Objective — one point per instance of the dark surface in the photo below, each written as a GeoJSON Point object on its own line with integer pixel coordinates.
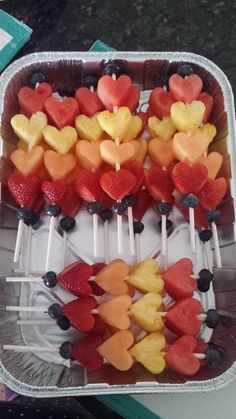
{"type": "Point", "coordinates": [206, 27]}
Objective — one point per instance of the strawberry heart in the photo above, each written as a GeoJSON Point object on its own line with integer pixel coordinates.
{"type": "Point", "coordinates": [142, 205]}
{"type": "Point", "coordinates": [99, 328]}
{"type": "Point", "coordinates": [96, 290]}
{"type": "Point", "coordinates": [189, 178]}
{"type": "Point", "coordinates": [178, 281]}
{"type": "Point", "coordinates": [85, 352]}
{"type": "Point", "coordinates": [114, 312]}
{"type": "Point", "coordinates": [118, 184]}
{"type": "Point", "coordinates": [160, 102]}
{"type": "Point", "coordinates": [62, 112]}
{"type": "Point", "coordinates": [199, 216]}
{"type": "Point", "coordinates": [71, 203]}
{"type": "Point", "coordinates": [132, 99]}
{"type": "Point", "coordinates": [137, 169]}
{"type": "Point", "coordinates": [185, 90]}
{"type": "Point", "coordinates": [54, 191]}
{"type": "Point", "coordinates": [31, 100]}
{"type": "Point", "coordinates": [113, 92]}
{"type": "Point", "coordinates": [89, 102]}
{"type": "Point", "coordinates": [112, 278]}
{"type": "Point", "coordinates": [208, 102]}
{"type": "Point", "coordinates": [115, 350]}
{"type": "Point", "coordinates": [212, 193]}
{"type": "Point", "coordinates": [79, 313]}
{"type": "Point", "coordinates": [182, 319]}
{"type": "Point", "coordinates": [24, 189]}
{"type": "Point", "coordinates": [180, 356]}
{"type": "Point", "coordinates": [159, 184]}
{"type": "Point", "coordinates": [75, 279]}
{"type": "Point", "coordinates": [88, 185]}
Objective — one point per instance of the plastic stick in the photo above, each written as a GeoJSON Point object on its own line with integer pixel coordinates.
{"type": "Point", "coordinates": [106, 241]}
{"type": "Point", "coordinates": [216, 245]}
{"type": "Point", "coordinates": [137, 245]}
{"type": "Point", "coordinates": [28, 250]}
{"type": "Point", "coordinates": [18, 240]}
{"type": "Point", "coordinates": [192, 230]}
{"type": "Point", "coordinates": [131, 231]}
{"type": "Point", "coordinates": [95, 235]}
{"type": "Point", "coordinates": [22, 348]}
{"type": "Point", "coordinates": [50, 242]}
{"type": "Point", "coordinates": [64, 245]}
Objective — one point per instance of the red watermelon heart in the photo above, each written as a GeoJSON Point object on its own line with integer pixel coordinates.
{"type": "Point", "coordinates": [137, 169]}
{"type": "Point", "coordinates": [54, 191]}
{"type": "Point", "coordinates": [182, 319]}
{"type": "Point", "coordinates": [33, 100]}
{"type": "Point", "coordinates": [178, 281]}
{"type": "Point", "coordinates": [212, 193]}
{"type": "Point", "coordinates": [85, 352]}
{"type": "Point", "coordinates": [79, 313]}
{"type": "Point", "coordinates": [180, 357]}
{"type": "Point", "coordinates": [208, 102]}
{"type": "Point", "coordinates": [185, 90]}
{"type": "Point", "coordinates": [88, 185]}
{"type": "Point", "coordinates": [160, 102]}
{"type": "Point", "coordinates": [24, 189]}
{"type": "Point", "coordinates": [117, 184]}
{"type": "Point", "coordinates": [62, 112]}
{"type": "Point", "coordinates": [89, 102]}
{"type": "Point", "coordinates": [200, 220]}
{"type": "Point", "coordinates": [189, 178]}
{"type": "Point", "coordinates": [74, 278]}
{"type": "Point", "coordinates": [132, 99]}
{"type": "Point", "coordinates": [159, 184]}
{"type": "Point", "coordinates": [113, 93]}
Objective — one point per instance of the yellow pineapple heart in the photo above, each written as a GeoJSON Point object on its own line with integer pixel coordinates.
{"type": "Point", "coordinates": [187, 118]}
{"type": "Point", "coordinates": [145, 277]}
{"type": "Point", "coordinates": [148, 352]}
{"type": "Point", "coordinates": [116, 123]}
{"type": "Point", "coordinates": [209, 130]}
{"type": "Point", "coordinates": [144, 312]}
{"type": "Point", "coordinates": [134, 129]}
{"type": "Point", "coordinates": [60, 140]}
{"type": "Point", "coordinates": [88, 128]}
{"type": "Point", "coordinates": [30, 130]}
{"type": "Point", "coordinates": [164, 128]}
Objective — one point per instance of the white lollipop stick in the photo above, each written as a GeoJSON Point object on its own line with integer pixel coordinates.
{"type": "Point", "coordinates": [35, 322]}
{"type": "Point", "coordinates": [18, 240]}
{"type": "Point", "coordinates": [28, 250]}
{"type": "Point", "coordinates": [95, 235]}
{"type": "Point", "coordinates": [106, 241]}
{"type": "Point", "coordinates": [192, 230]}
{"type": "Point", "coordinates": [27, 308]}
{"type": "Point", "coordinates": [216, 245]}
{"type": "Point", "coordinates": [131, 231]}
{"type": "Point", "coordinates": [24, 279]}
{"type": "Point", "coordinates": [137, 245]}
{"type": "Point", "coordinates": [50, 242]}
{"type": "Point", "coordinates": [64, 245]}
{"type": "Point", "coordinates": [22, 348]}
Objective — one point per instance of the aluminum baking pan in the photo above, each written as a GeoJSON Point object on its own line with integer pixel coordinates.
{"type": "Point", "coordinates": [34, 376]}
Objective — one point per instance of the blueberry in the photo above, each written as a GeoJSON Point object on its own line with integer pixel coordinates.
{"type": "Point", "coordinates": [185, 70]}
{"type": "Point", "coordinates": [205, 235]}
{"type": "Point", "coordinates": [37, 77]}
{"type": "Point", "coordinates": [66, 90]}
{"type": "Point", "coordinates": [130, 200]}
{"type": "Point", "coordinates": [33, 220]}
{"type": "Point", "coordinates": [53, 210]}
{"type": "Point", "coordinates": [212, 319]}
{"type": "Point", "coordinates": [138, 227]}
{"type": "Point", "coordinates": [67, 223]}
{"type": "Point", "coordinates": [190, 201]}
{"type": "Point", "coordinates": [203, 285]}
{"type": "Point", "coordinates": [119, 208]}
{"type": "Point", "coordinates": [113, 67]}
{"type": "Point", "coordinates": [63, 323]}
{"type": "Point", "coordinates": [54, 311]}
{"type": "Point", "coordinates": [66, 350]}
{"type": "Point", "coordinates": [213, 356]}
{"type": "Point", "coordinates": [24, 213]}
{"type": "Point", "coordinates": [90, 80]}
{"type": "Point", "coordinates": [106, 215]}
{"type": "Point", "coordinates": [50, 279]}
{"type": "Point", "coordinates": [163, 208]}
{"type": "Point", "coordinates": [94, 207]}
{"type": "Point", "coordinates": [169, 225]}
{"type": "Point", "coordinates": [206, 274]}
{"type": "Point", "coordinates": [213, 215]}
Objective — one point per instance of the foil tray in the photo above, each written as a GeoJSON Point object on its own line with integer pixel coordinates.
{"type": "Point", "coordinates": [43, 376]}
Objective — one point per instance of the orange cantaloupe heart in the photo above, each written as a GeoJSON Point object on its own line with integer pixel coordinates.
{"type": "Point", "coordinates": [213, 163]}
{"type": "Point", "coordinates": [161, 152]}
{"type": "Point", "coordinates": [189, 148]}
{"type": "Point", "coordinates": [114, 312]}
{"type": "Point", "coordinates": [58, 165]}
{"type": "Point", "coordinates": [115, 350]}
{"type": "Point", "coordinates": [112, 153]}
{"type": "Point", "coordinates": [29, 161]}
{"type": "Point", "coordinates": [88, 154]}
{"type": "Point", "coordinates": [112, 278]}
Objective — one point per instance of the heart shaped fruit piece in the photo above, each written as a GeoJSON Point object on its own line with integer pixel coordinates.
{"type": "Point", "coordinates": [144, 312]}
{"type": "Point", "coordinates": [159, 184]}
{"type": "Point", "coordinates": [146, 277]}
{"type": "Point", "coordinates": [114, 312]}
{"type": "Point", "coordinates": [54, 191]}
{"type": "Point", "coordinates": [213, 163]}
{"type": "Point", "coordinates": [187, 118]}
{"type": "Point", "coordinates": [24, 189]}
{"type": "Point", "coordinates": [112, 153]}
{"type": "Point", "coordinates": [115, 350]}
{"type": "Point", "coordinates": [115, 124]}
{"type": "Point", "coordinates": [28, 162]}
{"type": "Point", "coordinates": [89, 102]}
{"type": "Point", "coordinates": [113, 93]}
{"type": "Point", "coordinates": [185, 89]}
{"type": "Point", "coordinates": [117, 184]}
{"type": "Point", "coordinates": [161, 152]}
{"type": "Point", "coordinates": [189, 148]}
{"type": "Point", "coordinates": [58, 165]}
{"type": "Point", "coordinates": [212, 193]}
{"type": "Point", "coordinates": [74, 278]}
{"type": "Point", "coordinates": [112, 278]}
{"type": "Point", "coordinates": [85, 352]}
{"type": "Point", "coordinates": [148, 352]}
{"type": "Point", "coordinates": [141, 207]}
{"type": "Point", "coordinates": [88, 129]}
{"type": "Point", "coordinates": [88, 185]}
{"type": "Point", "coordinates": [189, 178]}
{"type": "Point", "coordinates": [79, 313]}
{"type": "Point", "coordinates": [62, 112]}
{"type": "Point", "coordinates": [180, 357]}
{"type": "Point", "coordinates": [61, 141]}
{"type": "Point", "coordinates": [208, 102]}
{"type": "Point", "coordinates": [182, 318]}
{"type": "Point", "coordinates": [160, 102]}
{"type": "Point", "coordinates": [178, 281]}
{"type": "Point", "coordinates": [137, 169]}
{"type": "Point", "coordinates": [33, 100]}
{"type": "Point", "coordinates": [29, 130]}
{"type": "Point", "coordinates": [161, 128]}
{"type": "Point", "coordinates": [88, 154]}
